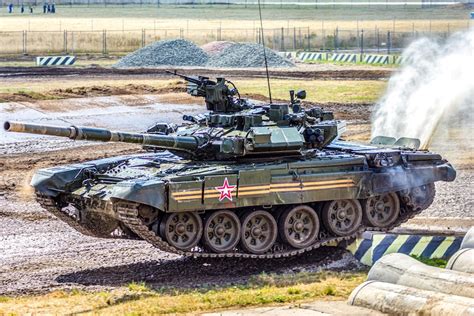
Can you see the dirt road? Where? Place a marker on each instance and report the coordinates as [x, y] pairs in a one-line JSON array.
[[309, 71]]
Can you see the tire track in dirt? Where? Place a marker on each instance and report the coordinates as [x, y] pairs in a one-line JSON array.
[[298, 73]]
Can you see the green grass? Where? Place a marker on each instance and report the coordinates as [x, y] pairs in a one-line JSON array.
[[138, 287], [79, 63], [329, 290], [264, 289], [436, 262], [322, 91], [361, 64], [42, 90], [34, 95]]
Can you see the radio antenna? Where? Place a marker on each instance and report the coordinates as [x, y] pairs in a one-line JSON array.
[[264, 52]]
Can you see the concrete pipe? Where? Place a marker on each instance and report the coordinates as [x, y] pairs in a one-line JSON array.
[[401, 300], [468, 240], [397, 268], [462, 260]]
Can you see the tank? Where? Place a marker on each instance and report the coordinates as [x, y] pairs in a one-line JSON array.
[[244, 179]]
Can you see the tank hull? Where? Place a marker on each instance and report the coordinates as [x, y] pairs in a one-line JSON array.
[[196, 187], [132, 194]]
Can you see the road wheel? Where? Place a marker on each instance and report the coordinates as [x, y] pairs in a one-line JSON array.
[[259, 232], [221, 231], [299, 226], [342, 217], [181, 230], [382, 210]]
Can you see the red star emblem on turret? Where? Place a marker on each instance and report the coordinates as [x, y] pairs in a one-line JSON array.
[[225, 190]]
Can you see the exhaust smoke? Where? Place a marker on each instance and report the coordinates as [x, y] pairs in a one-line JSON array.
[[433, 89]]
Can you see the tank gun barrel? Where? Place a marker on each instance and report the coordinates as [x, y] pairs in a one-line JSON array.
[[188, 143]]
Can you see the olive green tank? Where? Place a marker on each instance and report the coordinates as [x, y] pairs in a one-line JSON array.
[[242, 180]]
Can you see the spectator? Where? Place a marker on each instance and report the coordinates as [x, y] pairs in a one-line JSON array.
[[49, 8], [22, 8], [44, 7], [31, 9], [53, 8], [10, 8]]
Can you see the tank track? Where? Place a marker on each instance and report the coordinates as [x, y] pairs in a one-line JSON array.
[[49, 204], [128, 214]]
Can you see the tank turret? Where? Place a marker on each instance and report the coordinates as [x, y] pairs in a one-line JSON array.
[[233, 127], [224, 138]]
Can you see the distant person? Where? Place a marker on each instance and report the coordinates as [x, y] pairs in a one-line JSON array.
[[10, 8], [45, 7], [53, 8], [31, 9], [22, 8]]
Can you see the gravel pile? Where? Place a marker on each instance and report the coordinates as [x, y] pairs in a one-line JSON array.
[[216, 47], [247, 55], [180, 52], [177, 52]]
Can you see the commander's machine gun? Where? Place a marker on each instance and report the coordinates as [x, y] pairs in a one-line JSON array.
[[219, 97]]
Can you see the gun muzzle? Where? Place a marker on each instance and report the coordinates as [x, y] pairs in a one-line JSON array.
[[37, 129]]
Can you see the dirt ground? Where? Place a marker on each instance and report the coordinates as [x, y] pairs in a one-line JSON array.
[[38, 253], [302, 70]]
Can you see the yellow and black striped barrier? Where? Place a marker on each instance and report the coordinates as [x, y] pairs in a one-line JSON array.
[[370, 247], [308, 56], [55, 60], [376, 59], [344, 57]]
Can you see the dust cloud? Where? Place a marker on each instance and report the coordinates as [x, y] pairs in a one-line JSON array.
[[432, 93]]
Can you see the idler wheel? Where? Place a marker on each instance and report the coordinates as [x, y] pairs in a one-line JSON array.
[[418, 198], [221, 231], [299, 226], [181, 230], [383, 210], [259, 232], [342, 217]]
